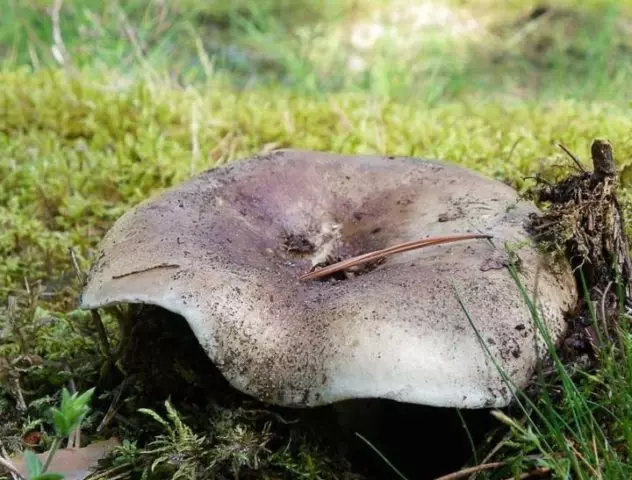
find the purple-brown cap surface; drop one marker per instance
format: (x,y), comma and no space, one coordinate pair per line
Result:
(226,249)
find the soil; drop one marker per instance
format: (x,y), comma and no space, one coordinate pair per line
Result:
(584,223)
(298,244)
(347,273)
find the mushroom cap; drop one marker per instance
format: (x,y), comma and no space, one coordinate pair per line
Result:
(225,250)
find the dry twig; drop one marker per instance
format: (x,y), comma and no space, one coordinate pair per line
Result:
(469,471)
(379,254)
(75,265)
(58,48)
(96,318)
(8,465)
(573,158)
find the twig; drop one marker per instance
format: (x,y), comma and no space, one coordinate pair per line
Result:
(536,472)
(603,308)
(5,455)
(573,157)
(19,395)
(27,287)
(103,336)
(58,49)
(379,254)
(14,376)
(487,466)
(583,459)
(494,450)
(8,465)
(468,471)
(75,265)
(111,412)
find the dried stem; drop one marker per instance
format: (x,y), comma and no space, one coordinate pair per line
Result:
(469,471)
(96,318)
(573,157)
(8,465)
(75,265)
(493,451)
(379,254)
(114,406)
(603,159)
(58,48)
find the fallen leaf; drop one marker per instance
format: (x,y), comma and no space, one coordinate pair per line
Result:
(74,463)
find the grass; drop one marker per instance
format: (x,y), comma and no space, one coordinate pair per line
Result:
(486,49)
(142,95)
(573,428)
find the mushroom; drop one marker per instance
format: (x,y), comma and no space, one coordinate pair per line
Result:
(229,250)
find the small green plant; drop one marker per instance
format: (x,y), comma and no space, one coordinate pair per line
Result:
(66,419)
(35,468)
(180,448)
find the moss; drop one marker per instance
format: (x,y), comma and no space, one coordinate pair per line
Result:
(79,150)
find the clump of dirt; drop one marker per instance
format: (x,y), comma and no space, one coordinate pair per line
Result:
(345,274)
(298,244)
(584,222)
(351,243)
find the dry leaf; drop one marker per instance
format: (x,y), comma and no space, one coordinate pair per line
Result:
(74,463)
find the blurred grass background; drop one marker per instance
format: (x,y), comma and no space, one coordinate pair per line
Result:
(424,51)
(103,103)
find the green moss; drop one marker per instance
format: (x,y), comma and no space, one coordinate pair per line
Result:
(78,153)
(79,150)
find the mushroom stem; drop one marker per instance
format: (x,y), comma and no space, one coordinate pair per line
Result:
(378,254)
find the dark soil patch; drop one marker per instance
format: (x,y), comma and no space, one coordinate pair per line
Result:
(584,223)
(348,273)
(422,442)
(296,244)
